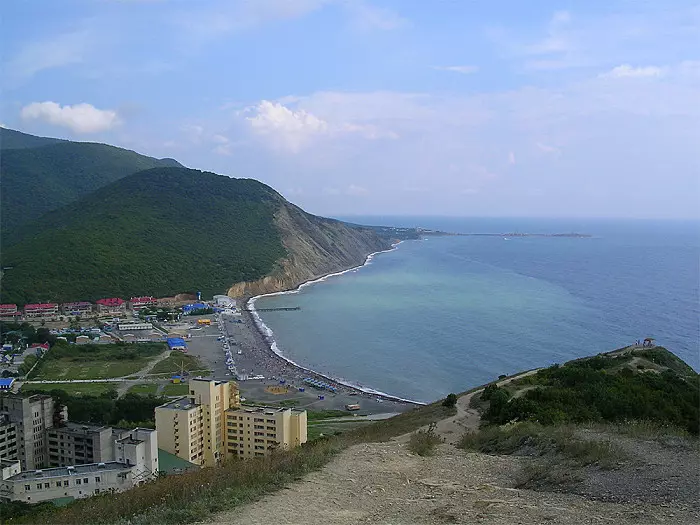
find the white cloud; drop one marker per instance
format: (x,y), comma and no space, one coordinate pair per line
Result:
(628,71)
(511,157)
(292,129)
(81,118)
(367,16)
(465,70)
(356,191)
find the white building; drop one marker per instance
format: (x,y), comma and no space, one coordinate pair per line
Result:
(80,481)
(134,326)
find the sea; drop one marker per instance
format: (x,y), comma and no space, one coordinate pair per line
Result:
(444,314)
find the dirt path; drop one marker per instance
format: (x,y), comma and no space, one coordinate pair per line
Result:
(384,483)
(466,418)
(140,374)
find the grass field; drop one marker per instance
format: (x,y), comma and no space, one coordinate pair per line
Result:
(175,390)
(89,389)
(175,362)
(64,362)
(145,389)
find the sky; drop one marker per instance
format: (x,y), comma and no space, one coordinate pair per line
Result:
(358,107)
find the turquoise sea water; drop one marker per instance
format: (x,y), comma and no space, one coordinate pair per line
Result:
(447,313)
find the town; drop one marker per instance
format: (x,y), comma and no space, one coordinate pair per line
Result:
(199,421)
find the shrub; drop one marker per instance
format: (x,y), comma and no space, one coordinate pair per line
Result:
(423,442)
(450,401)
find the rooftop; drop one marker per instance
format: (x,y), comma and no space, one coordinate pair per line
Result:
(76,428)
(76,470)
(179,404)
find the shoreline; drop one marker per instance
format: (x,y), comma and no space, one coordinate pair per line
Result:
(267,335)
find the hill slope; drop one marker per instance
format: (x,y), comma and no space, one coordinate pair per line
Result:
(41,174)
(171,230)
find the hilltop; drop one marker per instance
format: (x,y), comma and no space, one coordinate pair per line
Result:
(169,230)
(41,174)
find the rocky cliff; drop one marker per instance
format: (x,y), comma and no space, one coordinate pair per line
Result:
(315,247)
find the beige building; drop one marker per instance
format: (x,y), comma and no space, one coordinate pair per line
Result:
(255,431)
(209,425)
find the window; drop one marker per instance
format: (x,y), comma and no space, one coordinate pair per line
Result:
(77,482)
(85,480)
(65,483)
(97,479)
(58,484)
(38,486)
(47,485)
(27,487)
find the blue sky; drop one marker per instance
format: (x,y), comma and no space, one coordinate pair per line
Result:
(452,107)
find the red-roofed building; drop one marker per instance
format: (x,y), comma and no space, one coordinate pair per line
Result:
(141,302)
(41,310)
(8,310)
(81,308)
(39,348)
(111,306)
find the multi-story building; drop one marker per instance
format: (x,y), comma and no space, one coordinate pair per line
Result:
(136,303)
(111,306)
(8,439)
(255,431)
(77,309)
(138,448)
(209,425)
(74,444)
(77,482)
(42,310)
(8,310)
(32,416)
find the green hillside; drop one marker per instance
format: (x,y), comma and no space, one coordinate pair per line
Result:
(40,174)
(158,232)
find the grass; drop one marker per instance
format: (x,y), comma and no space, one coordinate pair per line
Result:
(85,389)
(533,439)
(423,442)
(193,496)
(66,362)
(314,415)
(144,389)
(176,362)
(173,389)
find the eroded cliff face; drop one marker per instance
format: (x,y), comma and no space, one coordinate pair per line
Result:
(315,247)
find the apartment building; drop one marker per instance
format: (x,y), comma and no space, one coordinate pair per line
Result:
(138,448)
(41,311)
(210,425)
(77,482)
(8,310)
(192,428)
(74,444)
(137,303)
(77,309)
(256,431)
(111,306)
(32,417)
(8,439)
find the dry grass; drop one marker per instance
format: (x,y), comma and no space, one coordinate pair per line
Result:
(194,496)
(423,442)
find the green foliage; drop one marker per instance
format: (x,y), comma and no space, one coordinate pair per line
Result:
(40,174)
(450,401)
(106,408)
(533,439)
(176,362)
(11,510)
(588,390)
(313,415)
(158,232)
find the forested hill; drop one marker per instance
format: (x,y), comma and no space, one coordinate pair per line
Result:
(42,174)
(165,231)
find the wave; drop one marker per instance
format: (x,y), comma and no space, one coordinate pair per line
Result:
(269,335)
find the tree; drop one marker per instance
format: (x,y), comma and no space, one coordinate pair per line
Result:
(450,401)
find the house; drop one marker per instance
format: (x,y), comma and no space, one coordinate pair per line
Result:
(136,303)
(8,310)
(82,340)
(38,349)
(6,383)
(41,310)
(177,343)
(111,306)
(194,308)
(77,309)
